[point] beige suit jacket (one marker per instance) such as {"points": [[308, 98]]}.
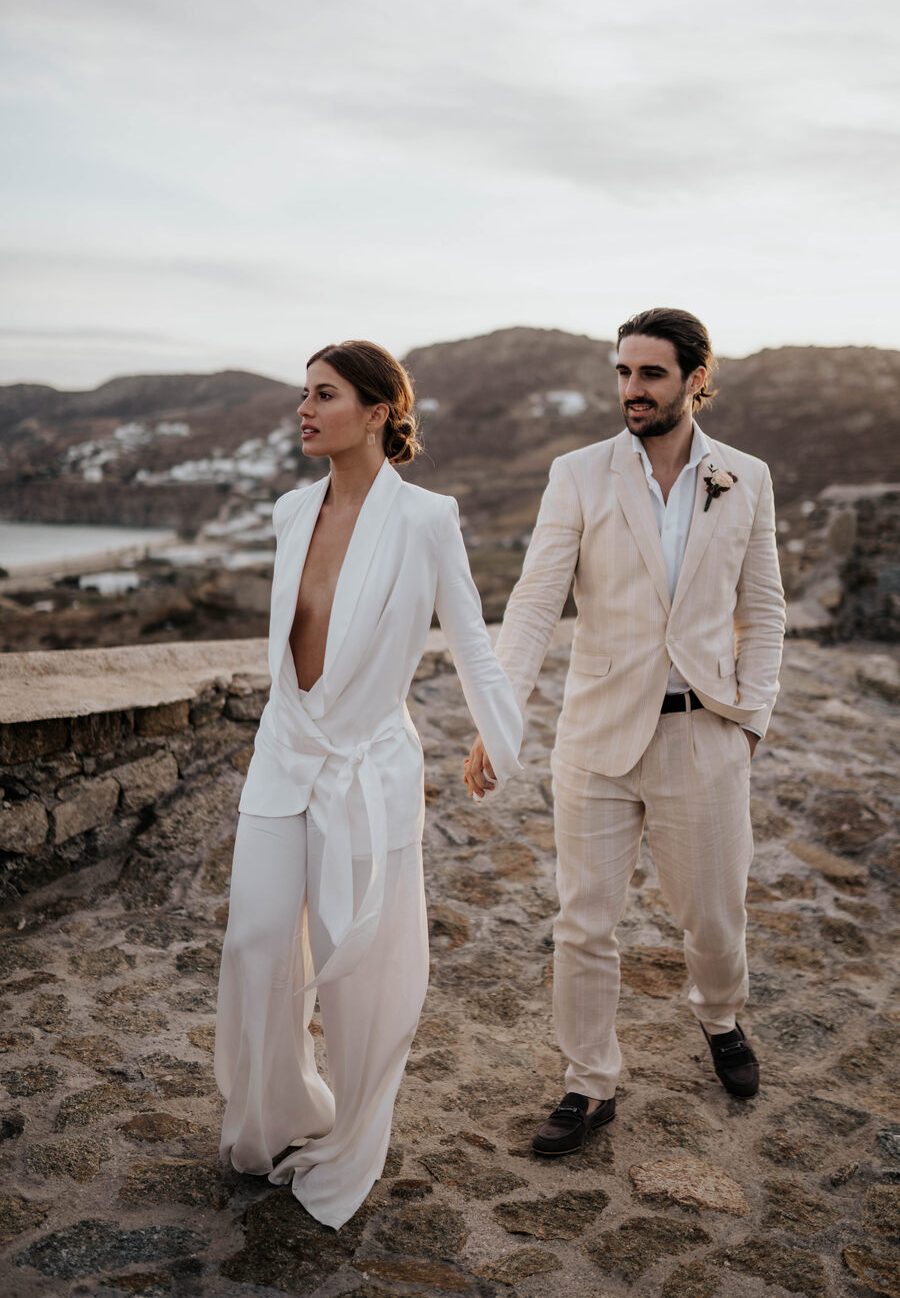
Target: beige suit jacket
{"points": [[723, 629]]}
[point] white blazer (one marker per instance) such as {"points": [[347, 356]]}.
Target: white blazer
{"points": [[347, 751]]}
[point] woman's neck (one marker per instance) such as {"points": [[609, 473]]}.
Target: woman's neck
{"points": [[352, 474]]}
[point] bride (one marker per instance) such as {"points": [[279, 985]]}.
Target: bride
{"points": [[327, 894]]}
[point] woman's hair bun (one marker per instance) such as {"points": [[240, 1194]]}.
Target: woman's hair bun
{"points": [[402, 441]]}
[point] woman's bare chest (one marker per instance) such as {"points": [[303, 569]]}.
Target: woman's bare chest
{"points": [[324, 561]]}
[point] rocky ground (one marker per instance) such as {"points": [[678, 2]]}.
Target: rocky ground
{"points": [[109, 1110]]}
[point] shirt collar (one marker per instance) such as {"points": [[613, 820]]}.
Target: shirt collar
{"points": [[699, 447]]}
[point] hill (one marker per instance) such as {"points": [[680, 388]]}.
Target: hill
{"points": [[496, 408], [207, 455], [509, 402]]}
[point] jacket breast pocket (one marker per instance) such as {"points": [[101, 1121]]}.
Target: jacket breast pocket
{"points": [[590, 664], [726, 665]]}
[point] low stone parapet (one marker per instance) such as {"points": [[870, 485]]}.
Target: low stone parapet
{"points": [[129, 759], [95, 744]]}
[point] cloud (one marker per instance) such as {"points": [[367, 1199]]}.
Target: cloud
{"points": [[78, 335], [262, 176]]}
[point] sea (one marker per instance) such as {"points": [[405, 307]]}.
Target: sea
{"points": [[27, 548]]}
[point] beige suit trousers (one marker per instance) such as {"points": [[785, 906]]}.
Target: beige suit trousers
{"points": [[692, 788]]}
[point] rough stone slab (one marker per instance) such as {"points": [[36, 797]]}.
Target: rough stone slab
{"points": [[101, 732], [21, 741], [691, 1182], [79, 682], [882, 1209], [32, 1079], [834, 868], [247, 707], [565, 1216], [90, 1245], [880, 1272], [78, 1157], [46, 686], [414, 1271], [429, 1230], [167, 719], [147, 779], [23, 827], [93, 806], [796, 1270], [82, 1108], [175, 1180], [524, 1262], [206, 709], [880, 674], [244, 683], [693, 1280], [640, 1242], [155, 1127], [657, 971], [289, 1250], [791, 1207], [18, 1214], [11, 1126]]}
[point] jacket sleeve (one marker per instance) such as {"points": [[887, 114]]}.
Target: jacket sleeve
{"points": [[759, 615], [537, 600], [488, 693]]}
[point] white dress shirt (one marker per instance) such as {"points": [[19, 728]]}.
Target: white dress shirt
{"points": [[673, 520]]}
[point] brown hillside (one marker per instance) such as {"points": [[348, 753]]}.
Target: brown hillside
{"points": [[496, 409]]}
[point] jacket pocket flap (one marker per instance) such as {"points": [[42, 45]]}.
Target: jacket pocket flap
{"points": [[590, 664], [726, 665]]}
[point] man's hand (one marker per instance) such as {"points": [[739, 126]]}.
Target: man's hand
{"points": [[752, 740], [478, 773]]}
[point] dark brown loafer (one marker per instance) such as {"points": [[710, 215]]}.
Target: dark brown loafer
{"points": [[737, 1067], [566, 1129]]}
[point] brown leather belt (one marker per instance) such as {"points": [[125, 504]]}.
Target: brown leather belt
{"points": [[677, 702]]}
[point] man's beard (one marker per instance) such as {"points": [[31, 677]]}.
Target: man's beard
{"points": [[665, 420]]}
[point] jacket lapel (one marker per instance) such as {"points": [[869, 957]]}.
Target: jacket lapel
{"points": [[631, 489], [290, 557], [703, 523], [342, 652]]}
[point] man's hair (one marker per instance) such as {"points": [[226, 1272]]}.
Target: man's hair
{"points": [[687, 334]]}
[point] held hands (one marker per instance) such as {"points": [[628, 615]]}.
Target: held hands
{"points": [[478, 774]]}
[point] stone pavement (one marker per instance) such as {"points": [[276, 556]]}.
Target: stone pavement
{"points": [[109, 1113]]}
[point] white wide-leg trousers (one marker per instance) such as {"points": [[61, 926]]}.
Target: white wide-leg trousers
{"points": [[265, 1062], [692, 787]]}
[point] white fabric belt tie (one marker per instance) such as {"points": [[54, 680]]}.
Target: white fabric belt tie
{"points": [[351, 934]]}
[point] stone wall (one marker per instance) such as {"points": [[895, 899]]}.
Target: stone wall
{"points": [[842, 576], [99, 749]]}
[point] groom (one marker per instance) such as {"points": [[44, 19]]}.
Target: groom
{"points": [[670, 537]]}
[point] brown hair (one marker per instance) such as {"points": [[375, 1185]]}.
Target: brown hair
{"points": [[688, 336], [378, 377]]}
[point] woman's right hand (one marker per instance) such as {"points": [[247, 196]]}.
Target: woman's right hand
{"points": [[478, 774]]}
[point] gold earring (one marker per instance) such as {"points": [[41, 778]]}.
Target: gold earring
{"points": [[370, 438]]}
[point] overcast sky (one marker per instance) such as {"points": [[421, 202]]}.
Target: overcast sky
{"points": [[201, 184]]}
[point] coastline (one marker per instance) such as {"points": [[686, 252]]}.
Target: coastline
{"points": [[133, 545]]}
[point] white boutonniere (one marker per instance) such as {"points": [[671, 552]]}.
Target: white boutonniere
{"points": [[717, 481]]}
